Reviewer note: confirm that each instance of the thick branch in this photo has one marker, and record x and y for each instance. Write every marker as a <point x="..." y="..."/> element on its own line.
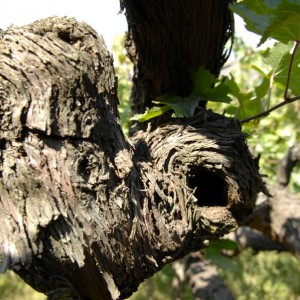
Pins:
<point x="247" y="237"/>
<point x="202" y="277"/>
<point x="64" y="77"/>
<point x="287" y="164"/>
<point x="85" y="215"/>
<point x="60" y="146"/>
<point x="278" y="218"/>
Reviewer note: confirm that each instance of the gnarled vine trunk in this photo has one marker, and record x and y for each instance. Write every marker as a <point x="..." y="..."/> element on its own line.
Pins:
<point x="85" y="213"/>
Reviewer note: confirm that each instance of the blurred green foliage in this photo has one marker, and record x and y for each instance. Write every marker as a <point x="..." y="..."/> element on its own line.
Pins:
<point x="159" y="287"/>
<point x="124" y="72"/>
<point x="266" y="275"/>
<point x="12" y="287"/>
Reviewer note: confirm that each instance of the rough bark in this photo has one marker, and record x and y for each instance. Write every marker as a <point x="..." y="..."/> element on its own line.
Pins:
<point x="59" y="133"/>
<point x="274" y="225"/>
<point x="86" y="214"/>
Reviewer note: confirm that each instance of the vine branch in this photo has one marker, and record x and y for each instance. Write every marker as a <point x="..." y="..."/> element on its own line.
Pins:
<point x="268" y="111"/>
<point x="286" y="98"/>
<point x="290" y="71"/>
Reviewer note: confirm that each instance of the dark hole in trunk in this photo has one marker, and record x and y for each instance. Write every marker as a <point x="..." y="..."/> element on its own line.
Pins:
<point x="211" y="190"/>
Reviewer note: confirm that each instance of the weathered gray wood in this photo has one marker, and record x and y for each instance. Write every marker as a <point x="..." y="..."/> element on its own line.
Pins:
<point x="59" y="137"/>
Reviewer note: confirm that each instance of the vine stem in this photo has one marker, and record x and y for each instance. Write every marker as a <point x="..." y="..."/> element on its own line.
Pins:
<point x="266" y="112"/>
<point x="286" y="98"/>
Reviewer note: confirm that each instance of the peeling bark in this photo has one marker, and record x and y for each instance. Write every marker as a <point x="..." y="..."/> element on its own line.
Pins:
<point x="59" y="133"/>
<point x="86" y="214"/>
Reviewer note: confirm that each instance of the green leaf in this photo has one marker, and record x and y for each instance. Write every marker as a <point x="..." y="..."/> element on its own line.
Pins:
<point x="150" y="113"/>
<point x="234" y="88"/>
<point x="208" y="88"/>
<point x="279" y="57"/>
<point x="249" y="105"/>
<point x="283" y="71"/>
<point x="263" y="88"/>
<point x="284" y="24"/>
<point x="182" y="107"/>
<point x="273" y="56"/>
<point x="278" y="19"/>
<point x="223" y="244"/>
<point x="255" y="13"/>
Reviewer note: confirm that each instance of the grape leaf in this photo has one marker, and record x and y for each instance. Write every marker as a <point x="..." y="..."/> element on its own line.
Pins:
<point x="278" y="19"/>
<point x="151" y="113"/>
<point x="208" y="88"/>
<point x="279" y="57"/>
<point x="284" y="24"/>
<point x="263" y="88"/>
<point x="214" y="253"/>
<point x="273" y="56"/>
<point x="283" y="71"/>
<point x="249" y="105"/>
<point x="223" y="244"/>
<point x="182" y="107"/>
<point x="255" y="13"/>
<point x="219" y="260"/>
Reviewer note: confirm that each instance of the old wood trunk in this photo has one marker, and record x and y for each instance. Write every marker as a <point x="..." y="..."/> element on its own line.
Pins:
<point x="87" y="214"/>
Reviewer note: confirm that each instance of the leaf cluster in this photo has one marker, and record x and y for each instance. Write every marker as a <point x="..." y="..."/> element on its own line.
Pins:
<point x="206" y="88"/>
<point x="277" y="19"/>
<point x="265" y="275"/>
